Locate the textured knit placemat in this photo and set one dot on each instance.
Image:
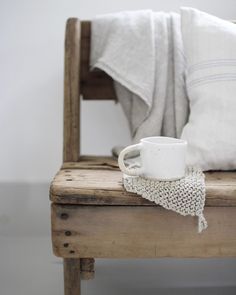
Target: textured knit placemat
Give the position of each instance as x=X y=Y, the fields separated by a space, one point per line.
x=185 y=196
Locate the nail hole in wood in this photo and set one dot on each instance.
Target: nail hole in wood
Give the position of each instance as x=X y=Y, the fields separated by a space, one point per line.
x=72 y=251
x=68 y=233
x=64 y=216
x=66 y=245
x=69 y=179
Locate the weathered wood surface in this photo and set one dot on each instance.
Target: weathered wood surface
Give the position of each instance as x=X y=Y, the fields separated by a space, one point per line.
x=94 y=84
x=93 y=162
x=141 y=232
x=71 y=131
x=98 y=181
x=87 y=268
x=71 y=276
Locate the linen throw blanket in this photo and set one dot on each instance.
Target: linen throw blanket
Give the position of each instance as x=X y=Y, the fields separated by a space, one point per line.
x=143 y=52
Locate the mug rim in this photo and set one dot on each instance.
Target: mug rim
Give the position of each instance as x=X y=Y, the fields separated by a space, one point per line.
x=166 y=140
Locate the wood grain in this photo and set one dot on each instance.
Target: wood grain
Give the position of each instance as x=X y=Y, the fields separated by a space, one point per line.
x=141 y=232
x=71 y=133
x=93 y=162
x=87 y=268
x=71 y=276
x=98 y=181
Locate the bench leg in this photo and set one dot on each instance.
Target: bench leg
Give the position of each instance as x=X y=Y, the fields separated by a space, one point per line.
x=87 y=268
x=71 y=276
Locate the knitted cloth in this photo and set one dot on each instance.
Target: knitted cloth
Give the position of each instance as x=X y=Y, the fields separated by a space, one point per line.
x=185 y=196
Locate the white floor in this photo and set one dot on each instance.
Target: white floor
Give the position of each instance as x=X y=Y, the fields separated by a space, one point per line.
x=28 y=267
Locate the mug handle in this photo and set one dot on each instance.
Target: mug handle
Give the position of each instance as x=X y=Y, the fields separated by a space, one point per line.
x=123 y=168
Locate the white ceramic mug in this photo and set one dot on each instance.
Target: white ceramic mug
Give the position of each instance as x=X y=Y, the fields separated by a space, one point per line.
x=162 y=158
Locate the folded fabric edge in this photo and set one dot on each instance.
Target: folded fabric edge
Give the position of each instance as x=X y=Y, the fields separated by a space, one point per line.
x=145 y=97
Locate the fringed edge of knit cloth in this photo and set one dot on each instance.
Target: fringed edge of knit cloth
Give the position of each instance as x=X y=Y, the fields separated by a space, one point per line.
x=202 y=223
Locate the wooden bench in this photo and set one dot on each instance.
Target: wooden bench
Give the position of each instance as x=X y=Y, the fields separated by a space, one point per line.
x=94 y=217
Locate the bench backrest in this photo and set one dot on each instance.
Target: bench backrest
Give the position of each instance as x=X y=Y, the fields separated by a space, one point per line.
x=79 y=82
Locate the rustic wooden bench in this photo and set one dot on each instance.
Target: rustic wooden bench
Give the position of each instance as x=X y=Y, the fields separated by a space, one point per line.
x=92 y=215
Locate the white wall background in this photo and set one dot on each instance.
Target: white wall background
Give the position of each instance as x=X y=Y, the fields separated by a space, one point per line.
x=31 y=83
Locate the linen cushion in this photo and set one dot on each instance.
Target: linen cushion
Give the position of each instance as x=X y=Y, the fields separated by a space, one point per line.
x=210 y=48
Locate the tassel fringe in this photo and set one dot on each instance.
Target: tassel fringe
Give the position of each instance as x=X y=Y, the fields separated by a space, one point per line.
x=202 y=223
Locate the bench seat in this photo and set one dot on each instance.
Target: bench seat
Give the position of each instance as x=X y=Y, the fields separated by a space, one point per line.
x=98 y=181
x=93 y=216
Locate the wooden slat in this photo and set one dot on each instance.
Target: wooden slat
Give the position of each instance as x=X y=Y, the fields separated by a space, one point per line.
x=93 y=162
x=98 y=181
x=141 y=232
x=71 y=147
x=94 y=84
